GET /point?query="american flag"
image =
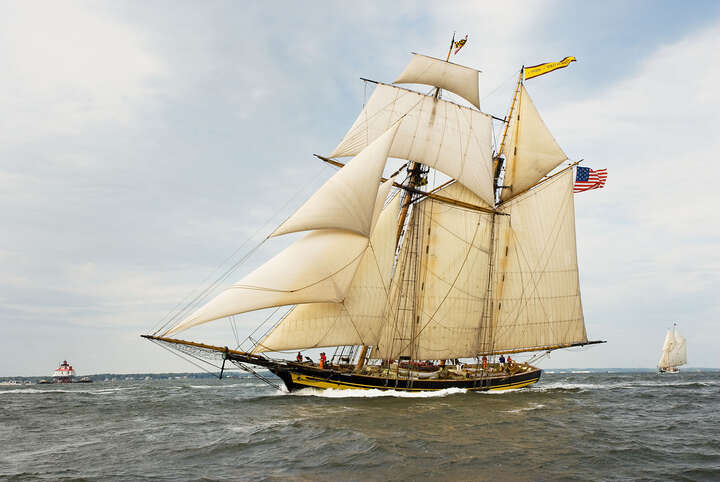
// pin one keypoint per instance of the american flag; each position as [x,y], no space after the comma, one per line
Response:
[587,179]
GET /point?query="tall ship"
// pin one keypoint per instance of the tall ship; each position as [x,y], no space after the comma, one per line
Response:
[415,284]
[674,354]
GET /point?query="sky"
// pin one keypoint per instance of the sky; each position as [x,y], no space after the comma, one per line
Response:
[144,143]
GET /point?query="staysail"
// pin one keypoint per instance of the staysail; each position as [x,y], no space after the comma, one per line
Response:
[358,318]
[531,152]
[320,266]
[347,199]
[454,139]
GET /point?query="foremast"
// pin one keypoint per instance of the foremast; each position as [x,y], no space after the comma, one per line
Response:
[417,178]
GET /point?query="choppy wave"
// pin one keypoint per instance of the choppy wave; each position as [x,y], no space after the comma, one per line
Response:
[594,426]
[544,387]
[531,407]
[99,391]
[225,386]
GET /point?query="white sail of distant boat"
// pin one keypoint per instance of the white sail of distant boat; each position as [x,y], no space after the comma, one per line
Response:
[674,352]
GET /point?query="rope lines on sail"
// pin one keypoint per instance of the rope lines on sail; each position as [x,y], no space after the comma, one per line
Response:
[530,287]
[447,115]
[369,251]
[175,314]
[361,136]
[485,332]
[452,285]
[386,288]
[398,325]
[275,290]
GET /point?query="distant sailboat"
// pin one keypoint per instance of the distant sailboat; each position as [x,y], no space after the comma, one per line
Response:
[674,352]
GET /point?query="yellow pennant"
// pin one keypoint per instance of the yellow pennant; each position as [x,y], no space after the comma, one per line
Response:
[541,69]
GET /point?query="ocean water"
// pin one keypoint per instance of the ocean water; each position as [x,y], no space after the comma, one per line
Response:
[570,426]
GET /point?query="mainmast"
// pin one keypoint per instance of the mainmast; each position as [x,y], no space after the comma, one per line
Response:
[416,179]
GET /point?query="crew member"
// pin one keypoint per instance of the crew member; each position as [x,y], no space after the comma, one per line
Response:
[484,363]
[323,360]
[299,357]
[502,362]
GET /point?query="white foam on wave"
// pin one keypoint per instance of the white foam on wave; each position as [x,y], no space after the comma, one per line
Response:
[532,406]
[625,384]
[543,387]
[374,393]
[230,385]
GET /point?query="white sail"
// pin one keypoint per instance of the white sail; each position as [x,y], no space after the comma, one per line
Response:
[674,350]
[356,320]
[680,353]
[453,139]
[459,79]
[347,199]
[537,297]
[667,346]
[531,151]
[317,268]
[449,288]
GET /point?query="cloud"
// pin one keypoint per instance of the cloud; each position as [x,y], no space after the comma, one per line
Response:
[71,67]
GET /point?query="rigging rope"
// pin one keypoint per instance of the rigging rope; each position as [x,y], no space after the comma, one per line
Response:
[177,352]
[173,315]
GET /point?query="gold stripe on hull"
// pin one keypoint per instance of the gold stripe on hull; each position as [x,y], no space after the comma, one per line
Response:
[313,382]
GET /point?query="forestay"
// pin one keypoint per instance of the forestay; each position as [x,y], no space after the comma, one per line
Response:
[356,320]
[454,139]
[537,298]
[531,152]
[458,79]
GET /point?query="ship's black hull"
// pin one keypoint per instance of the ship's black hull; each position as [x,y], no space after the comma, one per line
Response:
[296,377]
